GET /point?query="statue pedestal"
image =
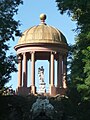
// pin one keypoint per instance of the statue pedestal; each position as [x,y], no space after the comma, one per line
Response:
[42,88]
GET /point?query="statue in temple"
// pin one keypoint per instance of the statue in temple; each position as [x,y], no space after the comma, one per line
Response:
[42,84]
[41,73]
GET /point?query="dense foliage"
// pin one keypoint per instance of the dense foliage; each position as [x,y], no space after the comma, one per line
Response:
[8,31]
[18,107]
[79,89]
[79,11]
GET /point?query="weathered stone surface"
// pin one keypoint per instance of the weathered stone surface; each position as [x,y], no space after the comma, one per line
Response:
[42,108]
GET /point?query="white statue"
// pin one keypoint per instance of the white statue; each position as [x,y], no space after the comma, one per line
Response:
[41,73]
[41,80]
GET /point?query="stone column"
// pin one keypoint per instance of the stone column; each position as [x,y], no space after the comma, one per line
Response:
[52,87]
[59,71]
[33,72]
[19,71]
[64,65]
[64,71]
[24,70]
[49,72]
[52,69]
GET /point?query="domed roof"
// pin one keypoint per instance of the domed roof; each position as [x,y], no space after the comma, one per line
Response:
[42,33]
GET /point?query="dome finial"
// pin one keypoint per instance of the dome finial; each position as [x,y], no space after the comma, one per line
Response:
[42,18]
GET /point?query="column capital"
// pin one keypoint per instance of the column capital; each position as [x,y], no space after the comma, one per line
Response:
[32,52]
[24,53]
[53,52]
[19,58]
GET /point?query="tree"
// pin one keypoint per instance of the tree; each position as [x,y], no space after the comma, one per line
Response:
[79,87]
[8,31]
[79,11]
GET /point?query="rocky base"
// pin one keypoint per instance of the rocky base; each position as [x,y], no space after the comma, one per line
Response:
[42,108]
[21,108]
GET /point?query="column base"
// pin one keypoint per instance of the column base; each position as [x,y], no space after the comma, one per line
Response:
[33,89]
[23,91]
[52,91]
[61,91]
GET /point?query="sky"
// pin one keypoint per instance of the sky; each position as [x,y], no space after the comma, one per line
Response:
[28,15]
